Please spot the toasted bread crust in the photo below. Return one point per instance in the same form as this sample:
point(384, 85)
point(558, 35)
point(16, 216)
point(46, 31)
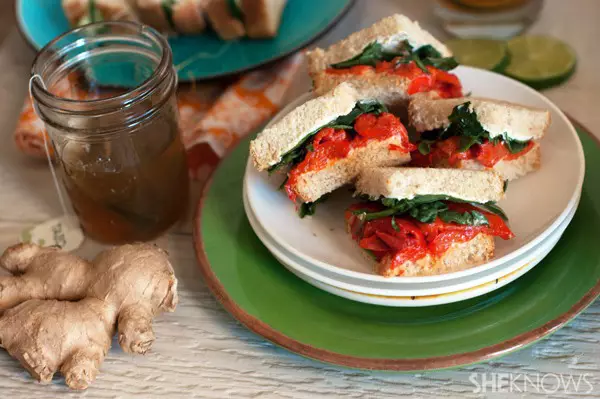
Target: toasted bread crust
point(460, 256)
point(401, 183)
point(497, 117)
point(389, 89)
point(312, 185)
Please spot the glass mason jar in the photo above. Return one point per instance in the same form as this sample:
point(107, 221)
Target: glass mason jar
point(106, 93)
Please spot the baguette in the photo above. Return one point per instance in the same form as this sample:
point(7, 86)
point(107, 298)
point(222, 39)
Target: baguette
point(262, 17)
point(389, 32)
point(222, 20)
point(273, 142)
point(406, 183)
point(497, 117)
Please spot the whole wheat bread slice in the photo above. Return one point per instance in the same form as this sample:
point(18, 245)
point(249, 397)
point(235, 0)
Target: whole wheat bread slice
point(339, 172)
point(406, 183)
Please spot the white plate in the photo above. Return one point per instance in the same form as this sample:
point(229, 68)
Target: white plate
point(535, 204)
point(311, 273)
point(407, 289)
point(536, 255)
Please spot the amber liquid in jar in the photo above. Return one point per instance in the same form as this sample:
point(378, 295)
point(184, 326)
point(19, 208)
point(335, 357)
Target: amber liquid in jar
point(120, 194)
point(106, 93)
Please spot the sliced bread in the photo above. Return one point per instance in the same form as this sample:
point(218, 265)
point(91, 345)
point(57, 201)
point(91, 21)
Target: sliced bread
point(389, 32)
point(406, 183)
point(227, 26)
point(262, 17)
point(188, 16)
point(273, 142)
point(339, 172)
point(512, 169)
point(497, 117)
point(387, 88)
point(460, 256)
point(152, 13)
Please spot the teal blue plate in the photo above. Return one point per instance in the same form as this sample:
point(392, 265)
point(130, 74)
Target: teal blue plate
point(205, 56)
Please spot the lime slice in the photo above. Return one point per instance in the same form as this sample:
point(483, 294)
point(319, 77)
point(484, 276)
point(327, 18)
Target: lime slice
point(481, 53)
point(540, 61)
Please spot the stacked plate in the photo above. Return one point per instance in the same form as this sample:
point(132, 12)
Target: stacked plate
point(318, 249)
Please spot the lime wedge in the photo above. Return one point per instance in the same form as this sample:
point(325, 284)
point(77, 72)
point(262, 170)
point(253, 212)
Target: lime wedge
point(481, 53)
point(540, 61)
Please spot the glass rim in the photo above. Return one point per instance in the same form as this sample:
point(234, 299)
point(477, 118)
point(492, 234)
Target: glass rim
point(43, 95)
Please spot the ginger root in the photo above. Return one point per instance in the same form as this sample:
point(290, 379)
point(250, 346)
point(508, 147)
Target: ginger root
point(61, 311)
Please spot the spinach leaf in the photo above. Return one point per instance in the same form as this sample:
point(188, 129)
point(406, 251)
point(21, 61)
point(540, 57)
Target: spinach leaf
point(479, 219)
point(472, 218)
point(92, 15)
point(514, 146)
point(371, 55)
point(427, 213)
point(423, 56)
point(425, 146)
point(309, 208)
point(464, 124)
point(283, 183)
point(346, 122)
point(394, 224)
point(428, 55)
point(235, 10)
point(370, 254)
point(167, 6)
point(429, 137)
point(491, 207)
point(426, 208)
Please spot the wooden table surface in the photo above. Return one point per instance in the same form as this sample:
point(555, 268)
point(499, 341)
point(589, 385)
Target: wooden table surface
point(200, 350)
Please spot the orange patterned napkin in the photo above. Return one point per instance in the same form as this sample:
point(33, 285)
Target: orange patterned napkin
point(213, 116)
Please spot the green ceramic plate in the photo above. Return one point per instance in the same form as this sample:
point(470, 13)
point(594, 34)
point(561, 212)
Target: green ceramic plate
point(274, 303)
